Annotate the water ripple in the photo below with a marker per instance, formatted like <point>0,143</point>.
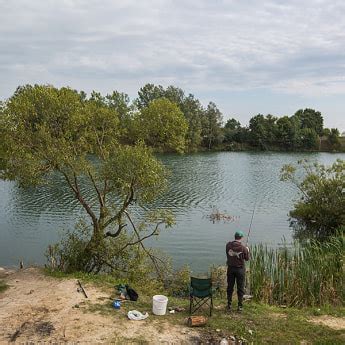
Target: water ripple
<point>234,183</point>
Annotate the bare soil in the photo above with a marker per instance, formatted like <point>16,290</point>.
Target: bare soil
<point>336,323</point>
<point>36,308</point>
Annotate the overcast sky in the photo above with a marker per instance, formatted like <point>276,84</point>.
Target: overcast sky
<point>247,56</point>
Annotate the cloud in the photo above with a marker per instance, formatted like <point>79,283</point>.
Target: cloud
<point>291,46</point>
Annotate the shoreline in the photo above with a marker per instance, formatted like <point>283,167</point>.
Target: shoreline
<point>38,307</point>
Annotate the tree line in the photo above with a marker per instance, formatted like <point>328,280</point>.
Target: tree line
<point>204,127</point>
<point>168,119</point>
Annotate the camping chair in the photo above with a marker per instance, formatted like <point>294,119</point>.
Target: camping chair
<point>200,294</point>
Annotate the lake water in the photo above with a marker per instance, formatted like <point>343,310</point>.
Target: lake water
<point>232,182</point>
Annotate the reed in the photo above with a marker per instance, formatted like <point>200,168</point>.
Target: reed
<point>311,274</point>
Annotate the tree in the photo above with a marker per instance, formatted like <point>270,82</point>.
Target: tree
<point>119,102</point>
<point>310,118</point>
<point>47,130</point>
<point>231,129</point>
<point>319,213</point>
<point>149,93</point>
<point>175,95</point>
<point>333,139</point>
<point>326,132</point>
<point>232,124</point>
<point>161,125</point>
<point>189,105</point>
<point>211,125</point>
<point>287,132</point>
<point>263,130</point>
<point>193,112</point>
<point>308,139</point>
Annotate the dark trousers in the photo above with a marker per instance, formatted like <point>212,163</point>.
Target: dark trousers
<point>237,274</point>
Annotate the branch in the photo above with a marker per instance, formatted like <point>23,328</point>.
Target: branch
<point>126,203</point>
<point>153,233</point>
<point>105,189</point>
<point>153,258</point>
<point>111,265</point>
<point>78,195</point>
<point>100,197</point>
<point>117,233</point>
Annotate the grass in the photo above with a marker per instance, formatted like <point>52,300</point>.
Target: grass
<point>309,275</point>
<point>3,286</point>
<point>259,323</point>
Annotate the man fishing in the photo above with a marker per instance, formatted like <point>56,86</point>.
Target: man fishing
<point>236,254</point>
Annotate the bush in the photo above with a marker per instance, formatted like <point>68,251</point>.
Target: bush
<point>133,263</point>
<point>319,212</point>
<point>219,279</point>
<point>178,282</point>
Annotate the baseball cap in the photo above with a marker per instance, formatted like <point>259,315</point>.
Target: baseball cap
<point>239,234</point>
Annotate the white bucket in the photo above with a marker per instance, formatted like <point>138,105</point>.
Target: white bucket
<point>159,305</point>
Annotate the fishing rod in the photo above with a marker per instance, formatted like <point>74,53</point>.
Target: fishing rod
<point>250,226</point>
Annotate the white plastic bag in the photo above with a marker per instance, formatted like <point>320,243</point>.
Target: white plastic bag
<point>137,315</point>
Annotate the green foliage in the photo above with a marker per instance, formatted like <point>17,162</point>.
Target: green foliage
<point>308,139</point>
<point>189,105</point>
<point>48,130</point>
<point>193,112</point>
<point>231,129</point>
<point>287,132</point>
<point>263,130</point>
<point>320,211</point>
<point>333,138</point>
<point>178,282</point>
<point>219,279</point>
<point>310,118</point>
<point>161,125</point>
<point>124,256</point>
<point>204,125</point>
<point>211,126</point>
<point>300,131</point>
<point>149,93</point>
<point>120,103</point>
<point>134,168</point>
<point>308,275</point>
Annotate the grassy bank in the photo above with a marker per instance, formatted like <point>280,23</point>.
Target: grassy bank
<point>259,323</point>
<point>3,286</point>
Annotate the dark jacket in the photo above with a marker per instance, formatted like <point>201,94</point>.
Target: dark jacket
<point>236,254</point>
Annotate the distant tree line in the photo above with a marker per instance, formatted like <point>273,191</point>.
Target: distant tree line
<point>206,129</point>
<point>302,131</point>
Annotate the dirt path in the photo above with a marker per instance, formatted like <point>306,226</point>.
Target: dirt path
<point>39,308</point>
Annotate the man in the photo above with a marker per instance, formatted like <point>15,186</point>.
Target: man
<point>236,254</point>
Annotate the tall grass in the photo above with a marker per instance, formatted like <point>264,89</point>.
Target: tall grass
<point>304,275</point>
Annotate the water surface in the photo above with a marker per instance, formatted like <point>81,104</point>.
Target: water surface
<point>233,182</point>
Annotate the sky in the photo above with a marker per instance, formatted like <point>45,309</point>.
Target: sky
<point>247,56</point>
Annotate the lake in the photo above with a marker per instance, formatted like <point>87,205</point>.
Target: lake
<point>232,182</point>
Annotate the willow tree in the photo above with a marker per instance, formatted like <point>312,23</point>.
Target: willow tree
<point>47,130</point>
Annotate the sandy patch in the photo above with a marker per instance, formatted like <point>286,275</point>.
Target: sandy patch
<point>337,323</point>
<point>278,315</point>
<point>39,308</point>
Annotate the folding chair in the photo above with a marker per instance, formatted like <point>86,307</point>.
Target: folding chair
<point>200,294</point>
